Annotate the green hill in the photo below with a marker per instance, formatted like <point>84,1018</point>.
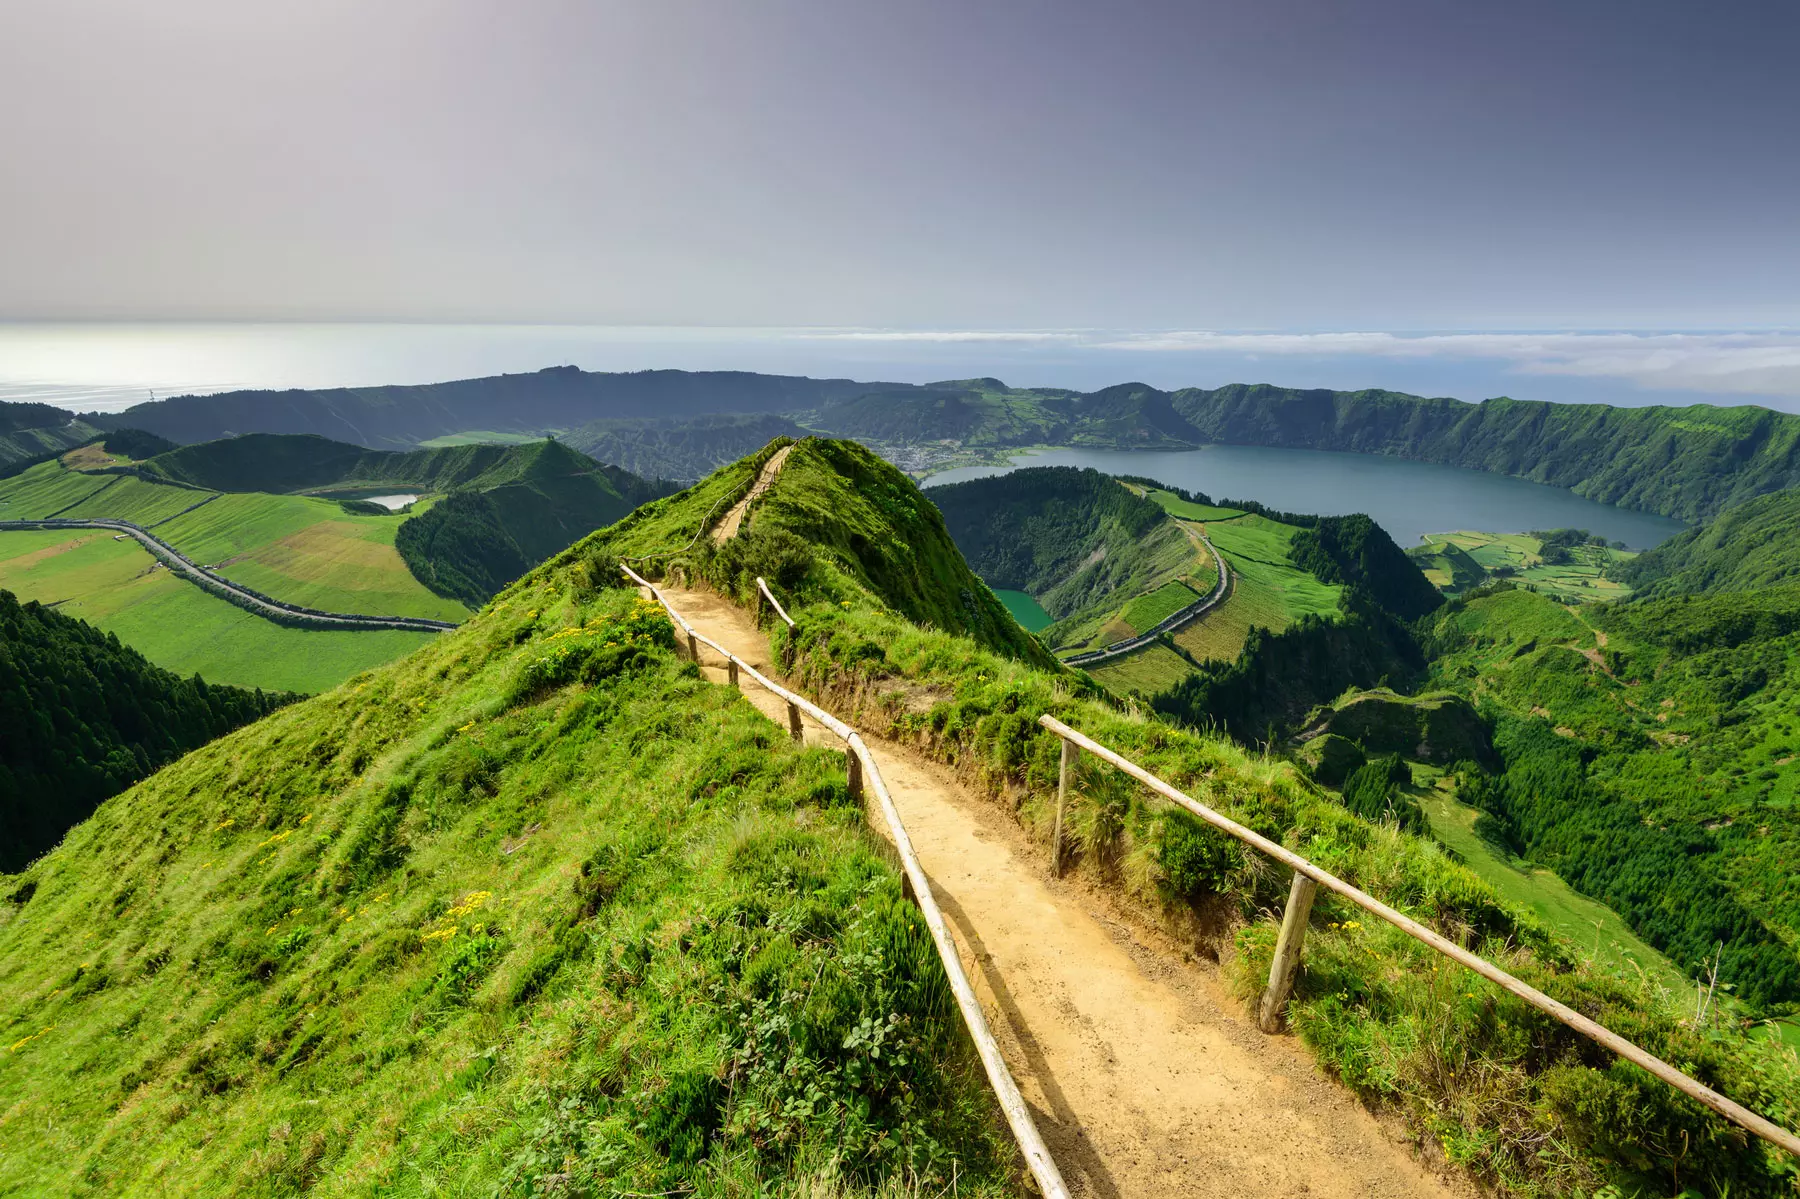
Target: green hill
<point>1756,544</point>
<point>85,717</point>
<point>1075,540</point>
<point>683,450</point>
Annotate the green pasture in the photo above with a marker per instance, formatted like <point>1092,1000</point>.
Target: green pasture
<point>1149,670</point>
<point>1519,556</point>
<point>1147,611</point>
<point>300,549</point>
<point>479,437</point>
<point>117,586</point>
<point>1174,505</point>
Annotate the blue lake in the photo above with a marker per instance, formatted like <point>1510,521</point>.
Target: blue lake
<point>1408,499</point>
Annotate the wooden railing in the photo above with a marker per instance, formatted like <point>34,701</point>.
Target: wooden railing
<point>1308,878</point>
<point>861,768</point>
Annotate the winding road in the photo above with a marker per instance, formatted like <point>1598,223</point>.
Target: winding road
<point>236,593</point>
<point>1119,649</point>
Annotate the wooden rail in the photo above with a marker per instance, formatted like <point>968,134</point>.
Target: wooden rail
<point>774,603</point>
<point>861,767</point>
<point>1308,877</point>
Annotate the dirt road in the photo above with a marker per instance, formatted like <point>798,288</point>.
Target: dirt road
<point>1146,1079</point>
<point>734,517</point>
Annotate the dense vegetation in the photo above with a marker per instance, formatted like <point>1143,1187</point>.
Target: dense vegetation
<point>1756,544</point>
<point>1280,677</point>
<point>1524,1104</point>
<point>1354,551</point>
<point>17,416</point>
<point>83,717</point>
<point>683,450</point>
<point>1654,772</point>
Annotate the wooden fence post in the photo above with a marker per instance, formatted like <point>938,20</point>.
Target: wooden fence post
<point>853,768</point>
<point>694,649</point>
<point>732,674</point>
<point>1287,952</point>
<point>1065,767</point>
<point>794,726</point>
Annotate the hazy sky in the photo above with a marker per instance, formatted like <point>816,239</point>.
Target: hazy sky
<point>1294,165</point>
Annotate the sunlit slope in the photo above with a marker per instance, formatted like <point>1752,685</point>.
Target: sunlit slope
<point>535,907</point>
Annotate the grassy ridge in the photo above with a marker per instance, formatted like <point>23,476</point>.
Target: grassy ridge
<point>116,586</point>
<point>465,925</point>
<point>1754,545</point>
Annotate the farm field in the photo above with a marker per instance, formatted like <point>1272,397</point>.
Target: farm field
<point>1222,631</point>
<point>1174,505</point>
<point>1519,556</point>
<point>308,551</point>
<point>1147,611</point>
<point>299,549</point>
<point>1149,670</point>
<point>116,586</point>
<point>1584,921</point>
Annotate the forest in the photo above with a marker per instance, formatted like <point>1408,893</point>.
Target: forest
<point>83,717</point>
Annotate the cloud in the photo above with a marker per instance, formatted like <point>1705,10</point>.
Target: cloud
<point>945,336</point>
<point>1736,363</point>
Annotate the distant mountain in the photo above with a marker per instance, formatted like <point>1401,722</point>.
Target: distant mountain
<point>82,717</point>
<point>560,397</point>
<point>683,450</point>
<point>1756,544</point>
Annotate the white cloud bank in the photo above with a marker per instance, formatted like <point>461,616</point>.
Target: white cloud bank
<point>1761,364</point>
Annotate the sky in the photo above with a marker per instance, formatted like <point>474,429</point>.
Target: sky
<point>1582,199</point>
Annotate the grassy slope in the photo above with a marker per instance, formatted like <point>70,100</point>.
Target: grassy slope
<point>1574,916</point>
<point>1754,545</point>
<point>1502,1091</point>
<point>179,627</point>
<point>455,926</point>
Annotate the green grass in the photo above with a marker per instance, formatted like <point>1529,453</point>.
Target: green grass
<point>1145,612</point>
<point>116,586</point>
<point>1584,922</point>
<point>1145,671</point>
<point>1174,505</point>
<point>1028,612</point>
<point>510,910</point>
<point>479,437</point>
<point>1582,579</point>
<point>1257,548</point>
<point>1220,633</point>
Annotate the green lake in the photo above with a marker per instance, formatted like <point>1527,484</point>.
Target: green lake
<point>1027,611</point>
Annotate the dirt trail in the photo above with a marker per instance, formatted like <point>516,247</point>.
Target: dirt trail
<point>728,528</point>
<point>1146,1079</point>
